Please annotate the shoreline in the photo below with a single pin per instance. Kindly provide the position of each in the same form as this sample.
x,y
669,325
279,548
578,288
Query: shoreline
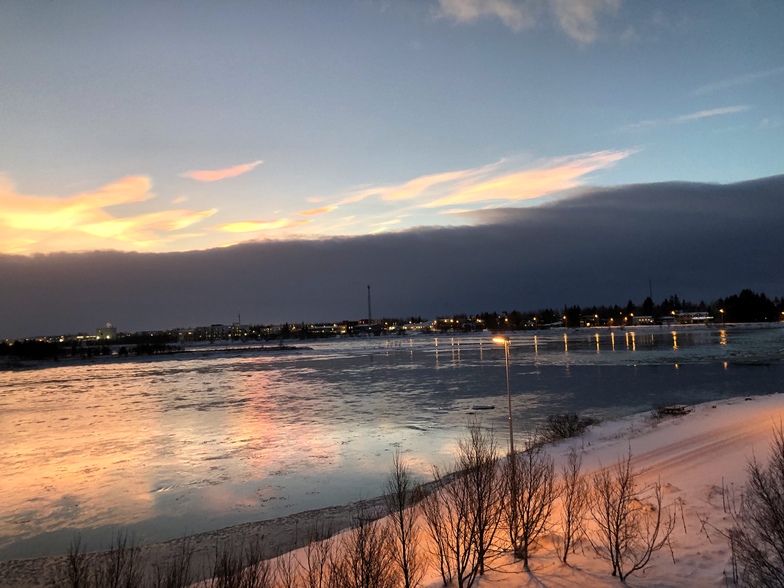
x,y
691,454
193,349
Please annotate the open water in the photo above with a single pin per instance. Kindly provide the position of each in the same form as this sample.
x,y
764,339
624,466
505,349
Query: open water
x,y
197,441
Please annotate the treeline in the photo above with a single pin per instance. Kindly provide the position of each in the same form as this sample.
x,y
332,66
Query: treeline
x,y
745,307
33,349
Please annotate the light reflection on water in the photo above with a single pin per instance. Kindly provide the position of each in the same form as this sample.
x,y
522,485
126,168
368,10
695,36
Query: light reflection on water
x,y
194,442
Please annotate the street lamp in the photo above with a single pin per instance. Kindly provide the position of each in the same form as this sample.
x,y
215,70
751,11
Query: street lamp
x,y
504,340
721,310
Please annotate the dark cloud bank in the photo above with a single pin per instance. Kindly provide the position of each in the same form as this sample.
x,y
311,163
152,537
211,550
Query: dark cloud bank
x,y
699,241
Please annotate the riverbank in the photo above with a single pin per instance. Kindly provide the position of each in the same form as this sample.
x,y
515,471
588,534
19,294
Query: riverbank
x,y
692,456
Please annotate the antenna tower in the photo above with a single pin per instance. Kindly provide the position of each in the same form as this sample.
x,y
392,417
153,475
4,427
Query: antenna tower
x,y
370,314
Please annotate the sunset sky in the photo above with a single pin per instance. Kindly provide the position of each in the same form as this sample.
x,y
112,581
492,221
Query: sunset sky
x,y
178,126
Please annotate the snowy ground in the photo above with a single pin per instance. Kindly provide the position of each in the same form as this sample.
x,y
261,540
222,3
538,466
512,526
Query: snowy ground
x,y
692,456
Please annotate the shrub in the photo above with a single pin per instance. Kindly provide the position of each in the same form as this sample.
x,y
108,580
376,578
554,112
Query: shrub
x,y
631,522
565,426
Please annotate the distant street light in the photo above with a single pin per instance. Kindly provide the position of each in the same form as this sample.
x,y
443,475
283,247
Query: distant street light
x,y
721,310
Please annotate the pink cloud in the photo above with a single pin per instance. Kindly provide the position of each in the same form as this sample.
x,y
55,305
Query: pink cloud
x,y
220,174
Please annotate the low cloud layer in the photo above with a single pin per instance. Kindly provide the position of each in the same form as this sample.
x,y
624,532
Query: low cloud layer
x,y
601,246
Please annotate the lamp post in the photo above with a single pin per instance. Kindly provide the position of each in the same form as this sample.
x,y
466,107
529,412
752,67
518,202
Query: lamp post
x,y
504,340
721,310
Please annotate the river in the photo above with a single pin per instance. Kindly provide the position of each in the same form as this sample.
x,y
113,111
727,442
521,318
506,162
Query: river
x,y
173,445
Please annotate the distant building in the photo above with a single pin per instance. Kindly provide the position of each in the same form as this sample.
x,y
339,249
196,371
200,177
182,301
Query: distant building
x,y
642,320
692,318
108,332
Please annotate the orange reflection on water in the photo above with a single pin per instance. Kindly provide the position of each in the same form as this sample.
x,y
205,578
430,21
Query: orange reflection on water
x,y
86,453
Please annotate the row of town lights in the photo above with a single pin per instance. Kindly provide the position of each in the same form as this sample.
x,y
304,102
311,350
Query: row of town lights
x,y
504,340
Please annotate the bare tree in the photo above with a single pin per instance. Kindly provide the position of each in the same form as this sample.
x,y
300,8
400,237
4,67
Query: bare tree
x,y
287,570
363,558
121,566
403,512
317,554
437,520
531,491
478,466
757,537
176,572
629,529
575,500
241,565
449,513
463,512
76,571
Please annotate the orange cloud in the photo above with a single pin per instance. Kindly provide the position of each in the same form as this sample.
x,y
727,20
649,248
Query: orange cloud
x,y
551,176
265,225
38,224
220,174
421,186
317,211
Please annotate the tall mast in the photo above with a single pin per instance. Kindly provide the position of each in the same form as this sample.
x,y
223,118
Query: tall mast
x,y
370,314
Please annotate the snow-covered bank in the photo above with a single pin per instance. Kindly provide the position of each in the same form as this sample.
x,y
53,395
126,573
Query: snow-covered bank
x,y
692,457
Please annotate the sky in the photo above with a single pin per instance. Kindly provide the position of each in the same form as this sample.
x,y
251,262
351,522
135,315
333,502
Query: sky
x,y
155,128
